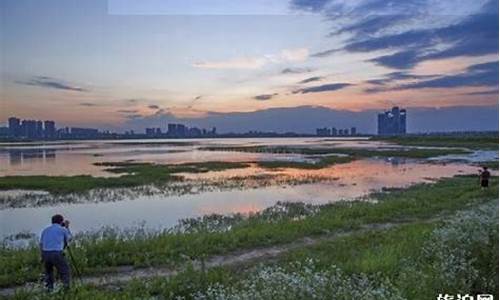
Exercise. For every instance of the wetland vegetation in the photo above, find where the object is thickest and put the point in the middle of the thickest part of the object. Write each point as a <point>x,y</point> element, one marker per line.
<point>422,206</point>
<point>132,175</point>
<point>471,141</point>
<point>352,152</point>
<point>399,243</point>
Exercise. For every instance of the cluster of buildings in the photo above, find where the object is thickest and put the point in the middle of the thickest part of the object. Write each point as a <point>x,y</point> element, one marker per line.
<point>44,130</point>
<point>336,132</point>
<point>392,122</point>
<point>31,129</point>
<point>181,131</point>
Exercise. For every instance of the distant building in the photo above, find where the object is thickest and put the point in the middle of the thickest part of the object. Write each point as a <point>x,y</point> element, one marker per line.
<point>353,131</point>
<point>4,131</point>
<point>29,129</point>
<point>323,131</point>
<point>171,129</point>
<point>392,122</point>
<point>181,130</point>
<point>334,131</point>
<point>194,132</point>
<point>150,132</point>
<point>84,133</point>
<point>14,127</point>
<point>39,130</point>
<point>49,128</point>
<point>153,132</point>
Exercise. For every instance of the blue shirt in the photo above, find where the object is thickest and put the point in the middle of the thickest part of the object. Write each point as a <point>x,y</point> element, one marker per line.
<point>54,237</point>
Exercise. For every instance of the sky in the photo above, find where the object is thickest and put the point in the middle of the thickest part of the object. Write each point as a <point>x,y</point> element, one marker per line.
<point>127,64</point>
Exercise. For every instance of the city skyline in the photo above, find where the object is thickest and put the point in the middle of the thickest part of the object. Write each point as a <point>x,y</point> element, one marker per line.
<point>315,120</point>
<point>118,65</point>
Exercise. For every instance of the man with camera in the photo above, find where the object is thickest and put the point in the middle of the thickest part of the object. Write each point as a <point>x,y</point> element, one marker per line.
<point>53,240</point>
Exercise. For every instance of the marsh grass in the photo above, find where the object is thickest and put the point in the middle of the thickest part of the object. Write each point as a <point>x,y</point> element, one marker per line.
<point>323,162</point>
<point>352,152</point>
<point>470,141</point>
<point>493,165</point>
<point>413,261</point>
<point>133,175</point>
<point>111,248</point>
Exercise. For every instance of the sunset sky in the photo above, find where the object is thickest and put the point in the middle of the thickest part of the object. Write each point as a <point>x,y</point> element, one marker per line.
<point>107,63</point>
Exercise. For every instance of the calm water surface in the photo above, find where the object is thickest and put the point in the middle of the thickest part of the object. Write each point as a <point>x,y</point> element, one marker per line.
<point>76,158</point>
<point>339,182</point>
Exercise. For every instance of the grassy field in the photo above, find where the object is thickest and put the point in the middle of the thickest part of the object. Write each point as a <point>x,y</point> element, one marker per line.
<point>493,165</point>
<point>102,251</point>
<point>352,152</point>
<point>133,174</point>
<point>419,260</point>
<point>476,141</point>
<point>323,162</point>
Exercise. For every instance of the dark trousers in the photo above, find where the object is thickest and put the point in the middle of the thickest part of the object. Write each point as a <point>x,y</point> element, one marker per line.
<point>55,259</point>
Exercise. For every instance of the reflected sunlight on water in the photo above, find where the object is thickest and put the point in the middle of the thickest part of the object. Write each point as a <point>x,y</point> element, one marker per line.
<point>243,190</point>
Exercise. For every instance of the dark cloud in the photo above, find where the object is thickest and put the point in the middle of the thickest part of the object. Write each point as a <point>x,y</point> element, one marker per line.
<point>377,25</point>
<point>51,83</point>
<point>311,79</point>
<point>398,76</point>
<point>89,104</point>
<point>309,5</point>
<point>400,60</point>
<point>485,74</point>
<point>133,116</point>
<point>265,97</point>
<point>326,52</point>
<point>190,106</point>
<point>323,88</point>
<point>482,93</point>
<point>477,35</point>
<point>372,24</point>
<point>153,107</point>
<point>474,36</point>
<point>127,111</point>
<point>296,70</point>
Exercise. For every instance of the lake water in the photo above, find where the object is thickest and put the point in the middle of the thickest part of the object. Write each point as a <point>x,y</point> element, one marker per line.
<point>206,193</point>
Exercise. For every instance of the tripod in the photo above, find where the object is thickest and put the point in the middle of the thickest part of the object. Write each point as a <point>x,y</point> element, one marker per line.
<point>74,264</point>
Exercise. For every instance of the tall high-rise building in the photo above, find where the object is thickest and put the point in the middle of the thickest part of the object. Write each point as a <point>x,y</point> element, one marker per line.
<point>334,131</point>
<point>181,130</point>
<point>85,133</point>
<point>49,129</point>
<point>29,129</point>
<point>172,129</point>
<point>14,127</point>
<point>39,130</point>
<point>392,122</point>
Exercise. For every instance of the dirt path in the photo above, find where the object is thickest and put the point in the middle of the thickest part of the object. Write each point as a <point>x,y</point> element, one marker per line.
<point>124,274</point>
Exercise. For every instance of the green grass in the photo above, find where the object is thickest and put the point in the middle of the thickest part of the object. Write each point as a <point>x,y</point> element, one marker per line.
<point>471,141</point>
<point>353,152</point>
<point>493,165</point>
<point>369,252</point>
<point>133,174</point>
<point>97,253</point>
<point>393,255</point>
<point>322,163</point>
